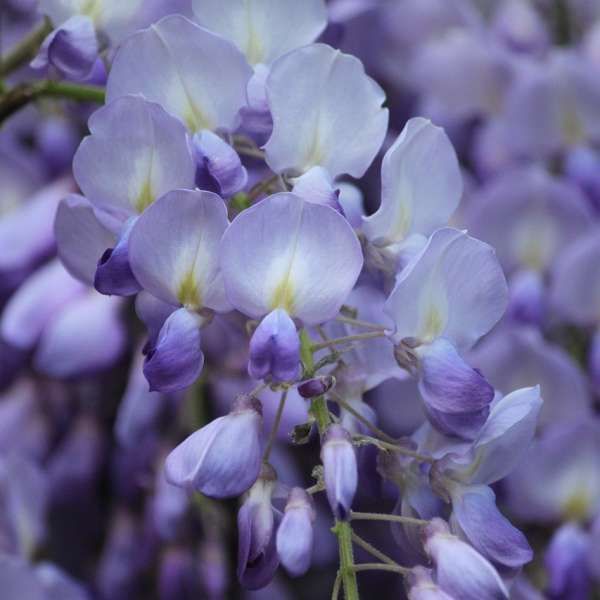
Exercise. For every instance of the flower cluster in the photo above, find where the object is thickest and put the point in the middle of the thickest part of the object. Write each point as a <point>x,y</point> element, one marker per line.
<point>259,276</point>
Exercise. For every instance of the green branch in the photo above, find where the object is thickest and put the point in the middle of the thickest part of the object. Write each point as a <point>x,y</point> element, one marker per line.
<point>342,529</point>
<point>25,50</point>
<point>21,95</point>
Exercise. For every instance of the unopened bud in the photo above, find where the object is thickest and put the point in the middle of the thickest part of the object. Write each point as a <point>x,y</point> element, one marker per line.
<point>341,473</point>
<point>311,388</point>
<point>295,533</point>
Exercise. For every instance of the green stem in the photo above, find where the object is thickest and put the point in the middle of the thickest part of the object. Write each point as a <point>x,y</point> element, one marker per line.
<point>372,550</point>
<point>258,389</point>
<point>359,323</point>
<point>380,567</point>
<point>315,489</point>
<point>244,145</point>
<point>275,427</point>
<point>21,95</point>
<point>335,592</point>
<point>394,448</point>
<point>251,152</point>
<point>362,516</point>
<point>318,406</point>
<point>25,50</point>
<point>347,407</point>
<point>348,338</point>
<point>262,187</point>
<point>343,531</point>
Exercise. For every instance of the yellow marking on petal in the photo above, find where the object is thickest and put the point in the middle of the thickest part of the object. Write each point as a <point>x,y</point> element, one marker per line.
<point>283,297</point>
<point>315,155</point>
<point>188,293</point>
<point>254,48</point>
<point>194,118</point>
<point>145,197</point>
<point>91,9</point>
<point>433,323</point>
<point>400,225</point>
<point>577,507</point>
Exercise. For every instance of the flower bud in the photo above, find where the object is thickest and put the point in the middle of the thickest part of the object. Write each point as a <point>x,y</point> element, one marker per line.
<point>275,348</point>
<point>311,388</point>
<point>176,359</point>
<point>72,48</point>
<point>113,272</point>
<point>223,458</point>
<point>459,569</point>
<point>341,473</point>
<point>295,533</point>
<point>257,555</point>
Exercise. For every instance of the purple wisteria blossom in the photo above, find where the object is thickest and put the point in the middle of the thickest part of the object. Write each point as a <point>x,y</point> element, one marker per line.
<point>300,299</point>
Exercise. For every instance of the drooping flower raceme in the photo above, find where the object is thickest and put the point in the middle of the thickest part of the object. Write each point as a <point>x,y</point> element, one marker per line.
<point>287,258</point>
<point>215,195</point>
<point>449,296</point>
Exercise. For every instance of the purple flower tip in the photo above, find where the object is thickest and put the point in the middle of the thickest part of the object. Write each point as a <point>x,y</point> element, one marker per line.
<point>311,388</point>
